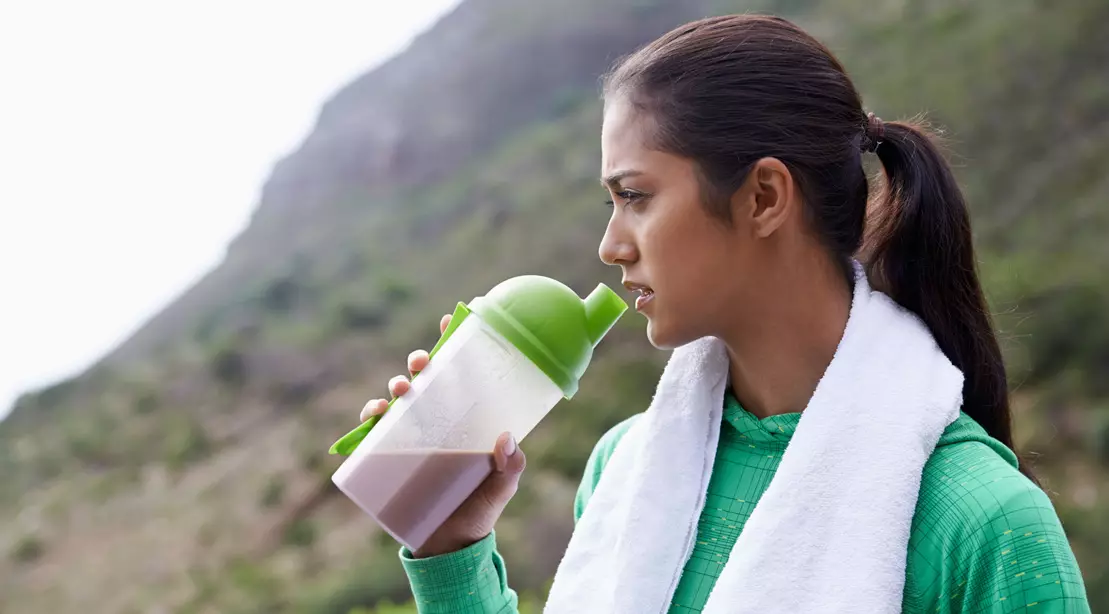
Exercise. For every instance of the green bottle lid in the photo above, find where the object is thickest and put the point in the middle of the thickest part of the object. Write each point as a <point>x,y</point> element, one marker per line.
<point>550,324</point>
<point>544,319</point>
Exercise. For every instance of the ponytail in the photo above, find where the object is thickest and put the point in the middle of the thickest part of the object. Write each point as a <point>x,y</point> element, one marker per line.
<point>920,252</point>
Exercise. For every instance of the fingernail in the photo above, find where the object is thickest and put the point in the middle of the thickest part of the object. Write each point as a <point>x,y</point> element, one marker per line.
<point>510,446</point>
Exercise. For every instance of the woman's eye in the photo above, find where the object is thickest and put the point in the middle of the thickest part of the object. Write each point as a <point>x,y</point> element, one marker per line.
<point>627,197</point>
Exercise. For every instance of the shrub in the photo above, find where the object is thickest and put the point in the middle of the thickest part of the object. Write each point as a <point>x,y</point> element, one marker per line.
<point>229,366</point>
<point>301,533</point>
<point>27,549</point>
<point>356,316</point>
<point>279,295</point>
<point>273,493</point>
<point>186,442</point>
<point>395,291</point>
<point>1068,330</point>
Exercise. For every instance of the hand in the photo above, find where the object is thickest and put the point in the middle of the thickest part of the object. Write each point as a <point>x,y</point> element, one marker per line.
<point>474,519</point>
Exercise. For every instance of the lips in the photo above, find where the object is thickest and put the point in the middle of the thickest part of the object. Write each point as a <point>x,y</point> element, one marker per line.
<point>646,294</point>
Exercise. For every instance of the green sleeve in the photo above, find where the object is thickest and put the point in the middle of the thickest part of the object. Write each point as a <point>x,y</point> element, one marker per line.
<point>470,581</point>
<point>986,540</point>
<point>596,463</point>
<point>474,580</point>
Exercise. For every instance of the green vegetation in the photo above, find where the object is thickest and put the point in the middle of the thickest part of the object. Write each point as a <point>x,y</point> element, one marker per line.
<point>301,533</point>
<point>27,549</point>
<point>274,492</point>
<point>194,458</point>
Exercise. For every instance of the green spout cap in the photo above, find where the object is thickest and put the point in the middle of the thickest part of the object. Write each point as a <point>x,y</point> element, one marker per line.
<point>603,308</point>
<point>550,324</point>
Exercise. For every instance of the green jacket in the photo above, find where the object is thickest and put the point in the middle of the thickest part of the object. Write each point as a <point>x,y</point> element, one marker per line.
<point>984,538</point>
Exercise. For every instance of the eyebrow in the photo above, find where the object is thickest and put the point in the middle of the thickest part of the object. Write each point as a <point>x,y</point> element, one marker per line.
<point>614,179</point>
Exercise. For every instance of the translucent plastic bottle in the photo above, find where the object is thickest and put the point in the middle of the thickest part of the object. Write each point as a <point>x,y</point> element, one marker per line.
<point>501,365</point>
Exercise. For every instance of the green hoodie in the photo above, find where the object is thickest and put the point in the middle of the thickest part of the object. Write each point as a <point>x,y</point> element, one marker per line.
<point>984,537</point>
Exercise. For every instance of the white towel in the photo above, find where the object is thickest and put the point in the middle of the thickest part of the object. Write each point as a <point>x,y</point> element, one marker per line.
<point>831,532</point>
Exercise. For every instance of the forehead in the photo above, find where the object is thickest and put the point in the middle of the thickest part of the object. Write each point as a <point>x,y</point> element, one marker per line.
<point>624,134</point>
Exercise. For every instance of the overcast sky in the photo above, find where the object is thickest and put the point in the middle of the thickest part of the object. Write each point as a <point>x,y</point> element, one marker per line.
<point>134,140</point>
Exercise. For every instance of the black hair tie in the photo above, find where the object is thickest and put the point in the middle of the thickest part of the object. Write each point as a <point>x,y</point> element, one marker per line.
<point>873,133</point>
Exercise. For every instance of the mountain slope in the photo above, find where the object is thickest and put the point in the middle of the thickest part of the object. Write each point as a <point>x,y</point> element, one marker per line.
<point>478,75</point>
<point>192,459</point>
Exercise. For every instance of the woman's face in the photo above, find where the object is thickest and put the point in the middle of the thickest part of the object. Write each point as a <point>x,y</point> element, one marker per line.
<point>689,268</point>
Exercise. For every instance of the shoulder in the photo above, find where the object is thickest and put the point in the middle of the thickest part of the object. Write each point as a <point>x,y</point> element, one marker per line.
<point>970,492</point>
<point>606,445</point>
<point>984,536</point>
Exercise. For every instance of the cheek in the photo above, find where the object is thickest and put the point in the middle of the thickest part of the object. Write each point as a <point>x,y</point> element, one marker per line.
<point>694,254</point>
<point>695,276</point>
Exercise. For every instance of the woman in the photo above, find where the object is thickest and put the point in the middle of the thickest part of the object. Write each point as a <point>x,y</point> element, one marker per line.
<point>733,149</point>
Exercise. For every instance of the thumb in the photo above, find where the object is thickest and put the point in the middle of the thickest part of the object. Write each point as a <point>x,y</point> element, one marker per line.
<point>509,461</point>
<point>513,456</point>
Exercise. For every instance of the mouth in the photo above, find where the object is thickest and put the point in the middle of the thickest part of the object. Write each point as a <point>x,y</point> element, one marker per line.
<point>645,294</point>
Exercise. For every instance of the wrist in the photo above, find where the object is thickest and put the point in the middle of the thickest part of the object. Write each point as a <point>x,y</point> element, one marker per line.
<point>440,546</point>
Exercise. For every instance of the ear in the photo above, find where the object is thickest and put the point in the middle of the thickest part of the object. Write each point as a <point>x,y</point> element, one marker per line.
<point>766,198</point>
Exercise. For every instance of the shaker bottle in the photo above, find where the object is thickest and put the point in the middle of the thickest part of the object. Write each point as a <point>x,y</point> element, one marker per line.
<point>502,363</point>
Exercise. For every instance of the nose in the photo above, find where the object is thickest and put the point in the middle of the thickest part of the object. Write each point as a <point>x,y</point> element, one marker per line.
<point>617,248</point>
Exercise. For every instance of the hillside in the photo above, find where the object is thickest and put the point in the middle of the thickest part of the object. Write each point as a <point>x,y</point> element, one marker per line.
<point>187,471</point>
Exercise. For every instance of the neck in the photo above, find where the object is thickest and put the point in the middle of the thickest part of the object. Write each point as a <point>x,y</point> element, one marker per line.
<point>779,354</point>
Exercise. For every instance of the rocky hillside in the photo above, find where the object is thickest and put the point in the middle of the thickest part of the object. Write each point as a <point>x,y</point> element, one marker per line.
<point>187,471</point>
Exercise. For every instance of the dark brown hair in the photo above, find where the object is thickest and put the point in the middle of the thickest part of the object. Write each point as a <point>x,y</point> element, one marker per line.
<point>727,91</point>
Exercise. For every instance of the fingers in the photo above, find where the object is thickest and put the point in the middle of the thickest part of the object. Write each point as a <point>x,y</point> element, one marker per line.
<point>374,407</point>
<point>418,361</point>
<point>399,385</point>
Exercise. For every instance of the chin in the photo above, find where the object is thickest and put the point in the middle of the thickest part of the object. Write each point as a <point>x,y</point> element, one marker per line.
<point>663,337</point>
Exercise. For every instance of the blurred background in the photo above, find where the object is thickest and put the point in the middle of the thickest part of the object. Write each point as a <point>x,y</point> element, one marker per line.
<point>226,225</point>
